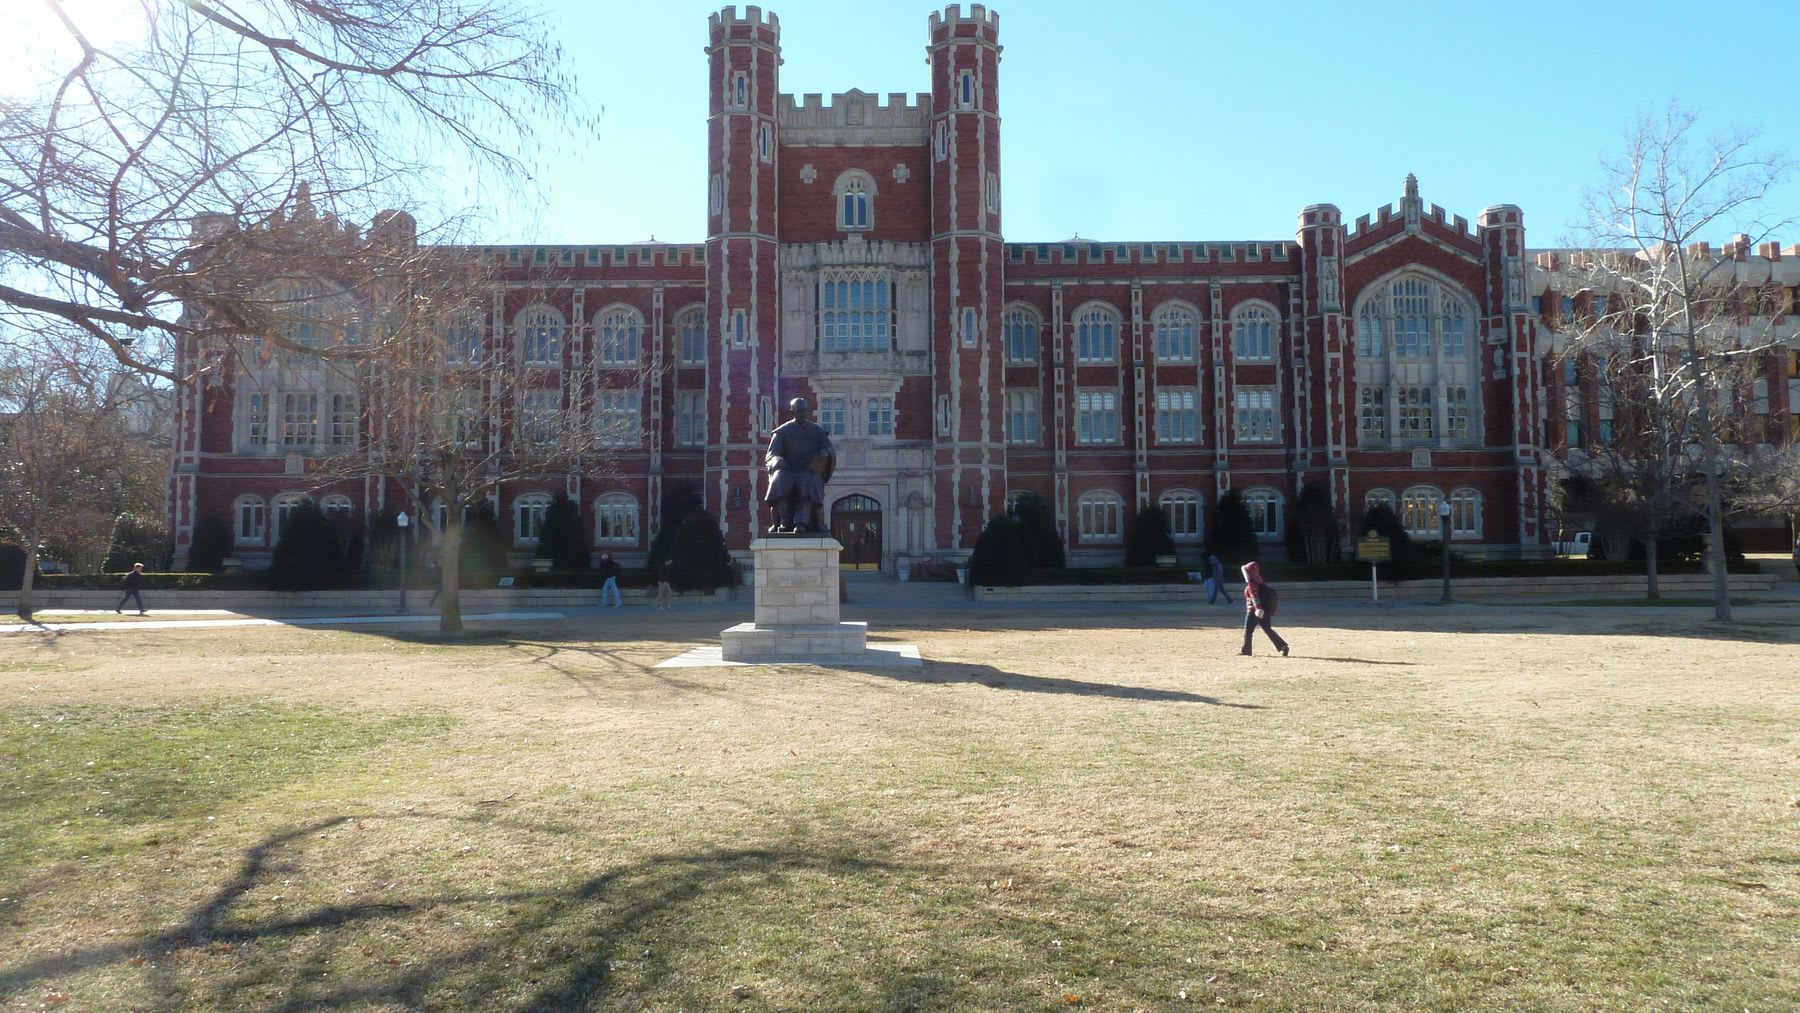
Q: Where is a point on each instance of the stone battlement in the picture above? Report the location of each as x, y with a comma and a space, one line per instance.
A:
721, 23
1082, 251
952, 23
854, 109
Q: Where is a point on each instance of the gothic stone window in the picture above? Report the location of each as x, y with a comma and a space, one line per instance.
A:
854, 192
1174, 334
1019, 327
855, 311
1253, 333
618, 333
1096, 334
1100, 517
1417, 380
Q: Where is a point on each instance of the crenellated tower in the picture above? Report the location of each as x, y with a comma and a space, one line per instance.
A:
1324, 434
1508, 353
742, 266
967, 266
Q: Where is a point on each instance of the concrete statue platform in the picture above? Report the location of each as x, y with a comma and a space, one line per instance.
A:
797, 614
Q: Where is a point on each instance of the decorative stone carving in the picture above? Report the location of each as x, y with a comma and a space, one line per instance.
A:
902, 173
808, 173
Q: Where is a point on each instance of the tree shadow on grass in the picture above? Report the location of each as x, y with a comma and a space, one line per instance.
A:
581, 924
944, 673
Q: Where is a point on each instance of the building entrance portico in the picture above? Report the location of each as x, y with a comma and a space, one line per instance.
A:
856, 524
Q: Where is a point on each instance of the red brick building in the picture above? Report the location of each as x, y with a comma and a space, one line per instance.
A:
855, 255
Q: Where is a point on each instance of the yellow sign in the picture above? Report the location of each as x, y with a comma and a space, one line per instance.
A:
1373, 549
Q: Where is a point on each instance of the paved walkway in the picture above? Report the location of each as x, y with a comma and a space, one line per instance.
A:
151, 623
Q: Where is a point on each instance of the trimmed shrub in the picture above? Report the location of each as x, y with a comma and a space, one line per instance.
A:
310, 555
1312, 528
561, 539
1232, 537
698, 552
1001, 558
482, 555
136, 539
211, 544
1382, 520
677, 504
1037, 525
1148, 537
12, 567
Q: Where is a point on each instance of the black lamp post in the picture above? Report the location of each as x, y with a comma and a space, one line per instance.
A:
1444, 522
402, 520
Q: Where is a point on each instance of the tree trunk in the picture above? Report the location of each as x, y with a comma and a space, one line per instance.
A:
28, 579
450, 574
1650, 536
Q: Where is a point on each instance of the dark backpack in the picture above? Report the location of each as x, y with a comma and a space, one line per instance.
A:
1267, 598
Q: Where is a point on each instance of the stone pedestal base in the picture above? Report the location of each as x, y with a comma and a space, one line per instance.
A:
840, 643
796, 608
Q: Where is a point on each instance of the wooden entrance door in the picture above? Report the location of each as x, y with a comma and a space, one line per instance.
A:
856, 524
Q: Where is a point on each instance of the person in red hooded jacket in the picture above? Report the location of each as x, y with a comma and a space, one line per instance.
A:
1259, 609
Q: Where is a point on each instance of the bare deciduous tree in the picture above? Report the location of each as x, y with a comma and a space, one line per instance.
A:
68, 460
1677, 325
228, 107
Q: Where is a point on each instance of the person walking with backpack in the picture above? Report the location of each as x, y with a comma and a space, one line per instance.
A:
134, 586
1259, 609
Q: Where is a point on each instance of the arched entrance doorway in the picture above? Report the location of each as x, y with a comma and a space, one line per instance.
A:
856, 524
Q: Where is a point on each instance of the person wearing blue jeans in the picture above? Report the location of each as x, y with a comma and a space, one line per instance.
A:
609, 569
1215, 581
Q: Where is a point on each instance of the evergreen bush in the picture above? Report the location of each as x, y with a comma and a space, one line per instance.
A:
561, 540
1233, 536
482, 556
1001, 558
310, 554
677, 504
136, 539
1312, 529
211, 544
1382, 520
1037, 524
699, 554
1148, 537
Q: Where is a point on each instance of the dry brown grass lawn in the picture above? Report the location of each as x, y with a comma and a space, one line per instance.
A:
1115, 812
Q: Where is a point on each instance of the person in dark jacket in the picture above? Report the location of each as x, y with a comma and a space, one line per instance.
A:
1259, 609
134, 585
1215, 581
609, 569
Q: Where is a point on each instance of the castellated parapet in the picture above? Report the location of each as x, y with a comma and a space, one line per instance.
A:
853, 117
753, 23
980, 22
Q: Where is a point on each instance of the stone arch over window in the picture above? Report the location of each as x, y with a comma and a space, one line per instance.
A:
1096, 333
1020, 328
690, 331
1100, 517
616, 520
310, 313
1378, 497
1418, 373
1186, 513
618, 336
1265, 506
854, 194
528, 517
540, 329
338, 507
279, 508
249, 520
1465, 513
1255, 329
1176, 324
1419, 510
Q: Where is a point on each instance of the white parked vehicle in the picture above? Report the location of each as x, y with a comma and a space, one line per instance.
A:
1577, 544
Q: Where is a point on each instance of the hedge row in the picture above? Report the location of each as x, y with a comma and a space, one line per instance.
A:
260, 581
1462, 569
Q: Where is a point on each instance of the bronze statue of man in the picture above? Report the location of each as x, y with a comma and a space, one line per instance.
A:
800, 462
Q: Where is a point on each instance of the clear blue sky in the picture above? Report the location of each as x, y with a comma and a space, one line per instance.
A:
1186, 121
